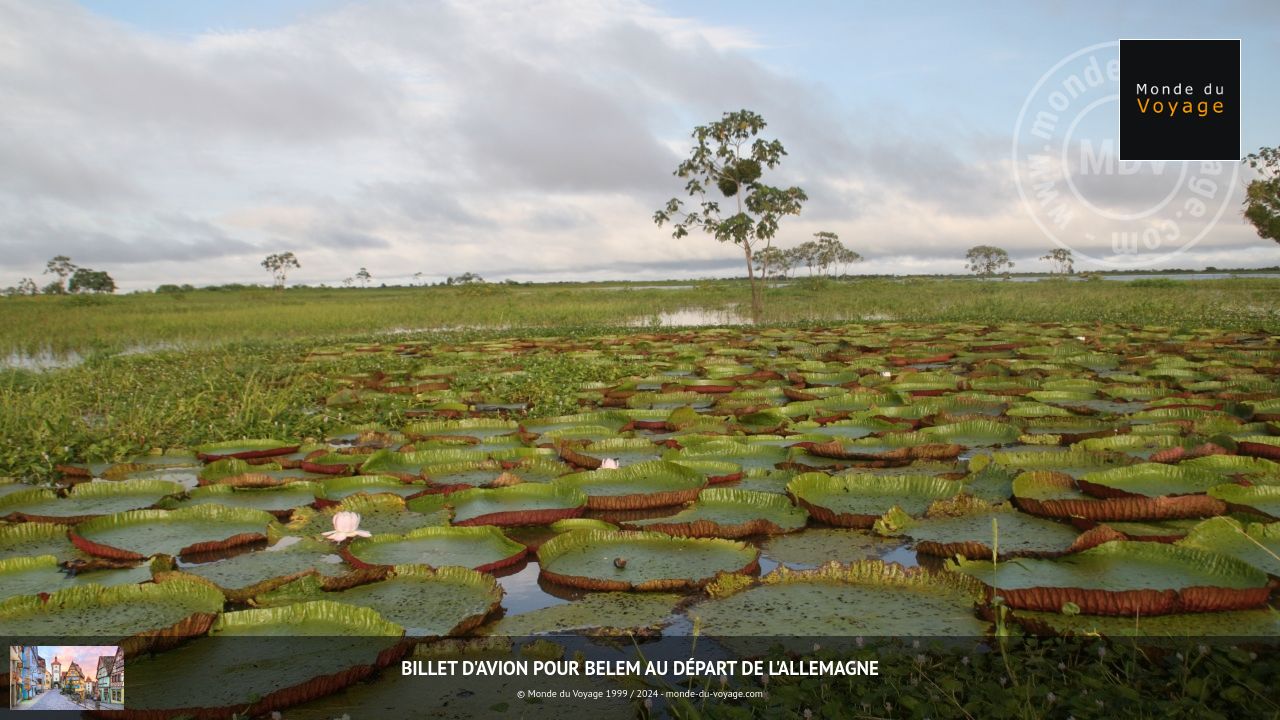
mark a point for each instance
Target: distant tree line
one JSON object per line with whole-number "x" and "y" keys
{"x": 69, "y": 278}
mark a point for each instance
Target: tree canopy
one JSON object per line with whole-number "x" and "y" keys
{"x": 1262, "y": 196}
{"x": 987, "y": 260}
{"x": 729, "y": 156}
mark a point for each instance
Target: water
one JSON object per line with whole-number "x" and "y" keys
{"x": 692, "y": 317}
{"x": 1163, "y": 276}
{"x": 46, "y": 359}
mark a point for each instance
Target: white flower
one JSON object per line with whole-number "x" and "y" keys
{"x": 609, "y": 464}
{"x": 1081, "y": 338}
{"x": 346, "y": 525}
{"x": 885, "y": 373}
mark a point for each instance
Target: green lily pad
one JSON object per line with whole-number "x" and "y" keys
{"x": 114, "y": 612}
{"x": 1264, "y": 499}
{"x": 974, "y": 433}
{"x": 482, "y": 548}
{"x": 603, "y": 560}
{"x": 729, "y": 513}
{"x": 1149, "y": 480}
{"x": 1255, "y": 543}
{"x": 605, "y": 613}
{"x": 273, "y": 499}
{"x": 1252, "y": 624}
{"x": 1125, "y": 578}
{"x": 340, "y": 487}
{"x": 31, "y": 575}
{"x": 425, "y": 601}
{"x": 224, "y": 676}
{"x": 889, "y": 601}
{"x": 138, "y": 534}
{"x": 88, "y": 499}
{"x": 972, "y": 531}
{"x": 523, "y": 504}
{"x": 379, "y": 514}
{"x": 819, "y": 546}
{"x": 244, "y": 575}
{"x": 636, "y": 487}
{"x": 31, "y": 538}
{"x": 856, "y": 500}
{"x": 243, "y": 449}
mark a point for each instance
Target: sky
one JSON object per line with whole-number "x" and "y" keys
{"x": 182, "y": 142}
{"x": 86, "y": 656}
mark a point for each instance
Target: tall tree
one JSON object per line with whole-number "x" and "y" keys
{"x": 95, "y": 281}
{"x": 61, "y": 266}
{"x": 364, "y": 277}
{"x": 279, "y": 265}
{"x": 987, "y": 260}
{"x": 1262, "y": 196}
{"x": 1060, "y": 260}
{"x": 729, "y": 156}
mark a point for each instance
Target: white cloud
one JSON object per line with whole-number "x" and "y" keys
{"x": 518, "y": 140}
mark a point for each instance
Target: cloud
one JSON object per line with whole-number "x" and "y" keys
{"x": 509, "y": 139}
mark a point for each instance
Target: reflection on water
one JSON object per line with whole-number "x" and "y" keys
{"x": 692, "y": 317}
{"x": 46, "y": 359}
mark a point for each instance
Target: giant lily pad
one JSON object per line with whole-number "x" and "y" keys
{"x": 523, "y": 504}
{"x": 86, "y": 500}
{"x": 1263, "y": 499}
{"x": 1056, "y": 495}
{"x": 636, "y": 487}
{"x": 41, "y": 574}
{"x": 1255, "y": 543}
{"x": 482, "y": 548}
{"x": 244, "y": 449}
{"x": 819, "y": 546}
{"x": 1258, "y": 624}
{"x": 1148, "y": 480}
{"x": 972, "y": 529}
{"x": 340, "y": 487}
{"x": 31, "y": 538}
{"x": 605, "y": 613}
{"x": 857, "y": 500}
{"x": 301, "y": 651}
{"x": 147, "y": 614}
{"x": 138, "y": 534}
{"x": 279, "y": 500}
{"x": 1125, "y": 578}
{"x": 618, "y": 560}
{"x": 244, "y": 575}
{"x": 425, "y": 601}
{"x": 729, "y": 513}
{"x": 866, "y": 598}
{"x": 379, "y": 514}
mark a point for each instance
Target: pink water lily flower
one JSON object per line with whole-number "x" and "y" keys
{"x": 346, "y": 525}
{"x": 609, "y": 464}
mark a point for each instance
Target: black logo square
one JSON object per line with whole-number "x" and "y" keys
{"x": 1180, "y": 100}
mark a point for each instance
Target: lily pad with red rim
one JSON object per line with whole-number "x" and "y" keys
{"x": 425, "y": 601}
{"x": 729, "y": 513}
{"x": 636, "y": 487}
{"x": 1125, "y": 578}
{"x": 483, "y": 549}
{"x": 244, "y": 449}
{"x": 857, "y": 500}
{"x": 522, "y": 504}
{"x": 648, "y": 561}
{"x": 138, "y": 534}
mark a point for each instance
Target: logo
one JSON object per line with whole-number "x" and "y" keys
{"x": 1066, "y": 163}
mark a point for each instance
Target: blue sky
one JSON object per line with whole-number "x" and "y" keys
{"x": 185, "y": 140}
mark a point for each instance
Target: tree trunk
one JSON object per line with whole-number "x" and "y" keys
{"x": 757, "y": 302}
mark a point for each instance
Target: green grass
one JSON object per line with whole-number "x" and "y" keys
{"x": 59, "y": 325}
